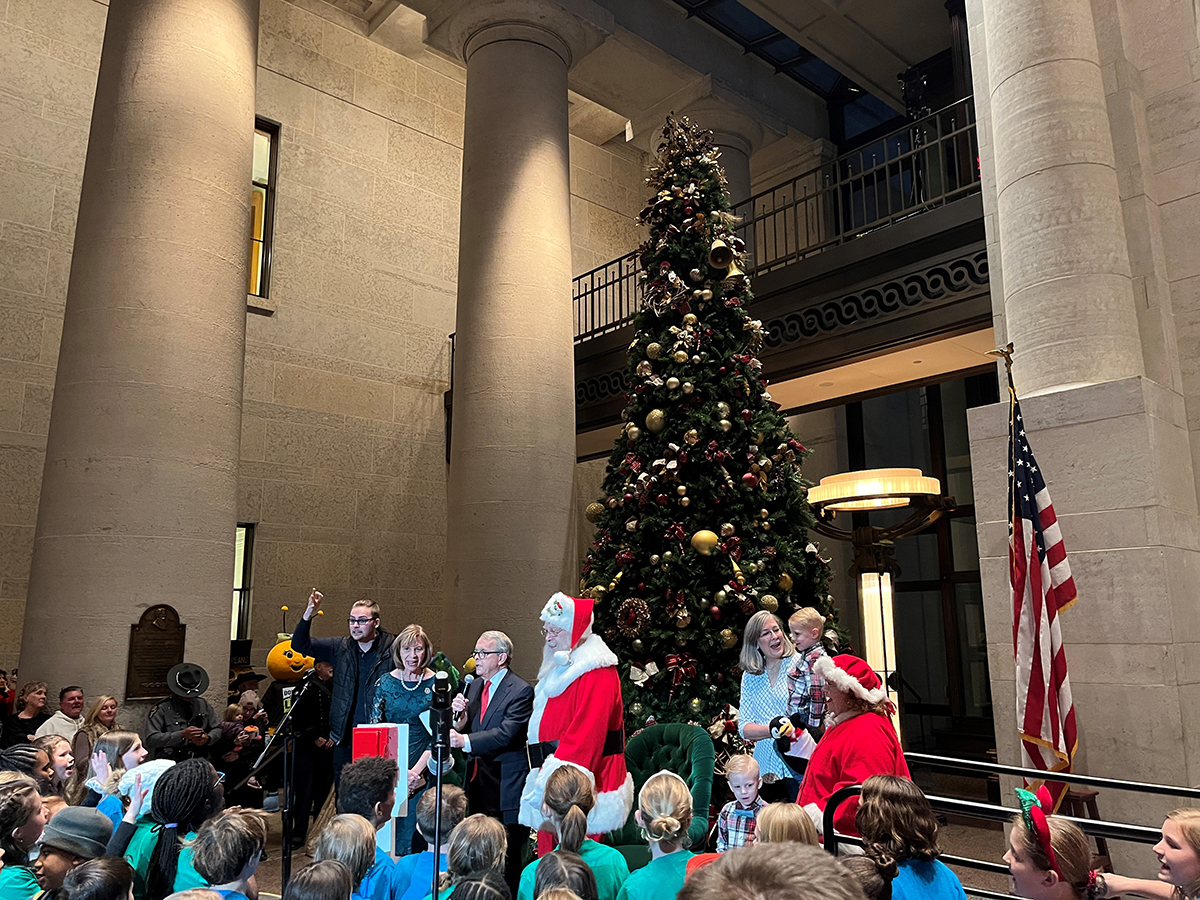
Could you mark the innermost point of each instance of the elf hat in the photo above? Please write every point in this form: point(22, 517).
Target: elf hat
point(573, 614)
point(851, 675)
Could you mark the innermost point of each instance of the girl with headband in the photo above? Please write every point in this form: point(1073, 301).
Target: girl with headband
point(1048, 857)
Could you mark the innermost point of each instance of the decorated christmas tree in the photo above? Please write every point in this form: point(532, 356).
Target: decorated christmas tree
point(704, 519)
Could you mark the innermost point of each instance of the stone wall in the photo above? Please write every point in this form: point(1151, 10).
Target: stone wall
point(607, 192)
point(49, 54)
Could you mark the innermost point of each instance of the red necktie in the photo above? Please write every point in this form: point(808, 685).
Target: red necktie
point(483, 703)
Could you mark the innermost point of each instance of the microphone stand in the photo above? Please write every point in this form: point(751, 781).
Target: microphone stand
point(440, 721)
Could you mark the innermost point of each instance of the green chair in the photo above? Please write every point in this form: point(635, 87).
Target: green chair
point(686, 750)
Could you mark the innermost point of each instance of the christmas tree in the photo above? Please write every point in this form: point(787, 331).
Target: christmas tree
point(704, 518)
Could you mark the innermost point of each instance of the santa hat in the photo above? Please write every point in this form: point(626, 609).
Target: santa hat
point(573, 614)
point(852, 676)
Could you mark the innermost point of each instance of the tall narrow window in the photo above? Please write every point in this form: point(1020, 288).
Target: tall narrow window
point(243, 559)
point(262, 201)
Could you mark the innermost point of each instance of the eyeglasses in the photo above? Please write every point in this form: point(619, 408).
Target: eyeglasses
point(361, 620)
point(220, 779)
point(551, 631)
point(480, 654)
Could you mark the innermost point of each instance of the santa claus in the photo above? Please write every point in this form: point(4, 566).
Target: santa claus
point(577, 720)
point(859, 741)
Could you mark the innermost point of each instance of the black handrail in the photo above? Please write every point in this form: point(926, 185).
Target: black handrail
point(928, 163)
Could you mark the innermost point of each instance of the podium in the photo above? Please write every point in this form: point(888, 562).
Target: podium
point(390, 742)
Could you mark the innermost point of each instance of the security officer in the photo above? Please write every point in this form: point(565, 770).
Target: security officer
point(184, 725)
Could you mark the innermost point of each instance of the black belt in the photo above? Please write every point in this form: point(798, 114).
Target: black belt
point(614, 744)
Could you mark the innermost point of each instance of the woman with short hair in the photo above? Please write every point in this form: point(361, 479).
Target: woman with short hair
point(403, 697)
point(31, 714)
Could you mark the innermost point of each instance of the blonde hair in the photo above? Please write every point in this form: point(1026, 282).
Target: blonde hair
point(569, 795)
point(47, 744)
point(779, 823)
point(226, 844)
point(349, 839)
point(92, 726)
point(752, 660)
point(1188, 821)
point(741, 764)
point(410, 636)
point(1070, 846)
point(477, 845)
point(665, 804)
point(232, 711)
point(807, 618)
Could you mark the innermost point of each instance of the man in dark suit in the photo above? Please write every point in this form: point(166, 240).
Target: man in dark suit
point(490, 726)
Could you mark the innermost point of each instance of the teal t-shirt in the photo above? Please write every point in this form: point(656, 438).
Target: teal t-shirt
point(659, 879)
point(141, 848)
point(18, 883)
point(606, 863)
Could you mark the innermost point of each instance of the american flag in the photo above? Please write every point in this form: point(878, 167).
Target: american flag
point(1042, 588)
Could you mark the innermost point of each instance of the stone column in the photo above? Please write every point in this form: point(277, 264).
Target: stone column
point(138, 502)
point(1068, 296)
point(512, 455)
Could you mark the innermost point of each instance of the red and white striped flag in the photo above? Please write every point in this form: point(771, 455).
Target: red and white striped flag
point(1042, 588)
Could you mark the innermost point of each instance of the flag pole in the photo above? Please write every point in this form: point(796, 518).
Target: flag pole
point(1007, 353)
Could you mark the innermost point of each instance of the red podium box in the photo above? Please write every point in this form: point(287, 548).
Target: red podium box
point(375, 740)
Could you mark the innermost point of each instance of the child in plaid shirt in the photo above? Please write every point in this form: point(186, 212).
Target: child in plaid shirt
point(738, 818)
point(806, 689)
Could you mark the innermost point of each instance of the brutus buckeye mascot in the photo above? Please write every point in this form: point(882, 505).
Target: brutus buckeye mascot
point(577, 719)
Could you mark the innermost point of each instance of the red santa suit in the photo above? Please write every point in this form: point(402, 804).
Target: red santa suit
point(578, 720)
point(859, 745)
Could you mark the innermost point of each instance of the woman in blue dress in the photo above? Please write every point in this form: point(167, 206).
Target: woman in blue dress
point(403, 697)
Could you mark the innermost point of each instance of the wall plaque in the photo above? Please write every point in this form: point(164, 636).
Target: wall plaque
point(155, 645)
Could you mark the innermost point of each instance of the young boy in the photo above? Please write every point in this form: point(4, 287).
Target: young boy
point(226, 852)
point(368, 789)
point(412, 878)
point(738, 818)
point(806, 689)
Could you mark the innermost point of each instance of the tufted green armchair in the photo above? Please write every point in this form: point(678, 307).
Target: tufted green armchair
point(686, 750)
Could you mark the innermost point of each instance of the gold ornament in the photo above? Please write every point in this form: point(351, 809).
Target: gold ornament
point(593, 512)
point(656, 420)
point(723, 409)
point(695, 705)
point(654, 558)
point(680, 356)
point(685, 501)
point(720, 255)
point(720, 597)
point(688, 387)
point(690, 318)
point(727, 529)
point(681, 490)
point(728, 638)
point(681, 641)
point(654, 351)
point(737, 573)
point(704, 542)
point(768, 602)
point(683, 619)
point(636, 710)
point(672, 383)
point(764, 513)
point(785, 582)
point(633, 432)
point(637, 646)
point(705, 295)
point(725, 424)
point(691, 436)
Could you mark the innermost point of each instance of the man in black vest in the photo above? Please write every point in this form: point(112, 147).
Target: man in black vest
point(490, 726)
point(357, 660)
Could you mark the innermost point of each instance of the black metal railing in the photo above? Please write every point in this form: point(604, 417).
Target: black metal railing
point(989, 812)
point(926, 164)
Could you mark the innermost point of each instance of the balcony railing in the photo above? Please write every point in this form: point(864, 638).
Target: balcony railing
point(926, 164)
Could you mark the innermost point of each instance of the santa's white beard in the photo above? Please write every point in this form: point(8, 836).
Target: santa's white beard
point(554, 659)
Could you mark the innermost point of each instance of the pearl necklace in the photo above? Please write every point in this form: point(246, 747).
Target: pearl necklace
point(404, 684)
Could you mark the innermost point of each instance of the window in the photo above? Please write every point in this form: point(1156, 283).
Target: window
point(243, 558)
point(262, 201)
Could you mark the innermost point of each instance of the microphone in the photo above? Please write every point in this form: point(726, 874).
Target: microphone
point(466, 683)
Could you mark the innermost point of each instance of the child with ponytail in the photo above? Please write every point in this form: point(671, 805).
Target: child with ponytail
point(568, 799)
point(664, 813)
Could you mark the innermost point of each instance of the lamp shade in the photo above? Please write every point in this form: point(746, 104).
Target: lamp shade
point(872, 489)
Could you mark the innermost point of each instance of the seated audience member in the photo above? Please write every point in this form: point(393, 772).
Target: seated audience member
point(477, 847)
point(73, 836)
point(565, 869)
point(186, 796)
point(62, 763)
point(105, 878)
point(328, 879)
point(116, 753)
point(568, 798)
point(28, 759)
point(349, 839)
point(737, 821)
point(22, 819)
point(779, 823)
point(767, 871)
point(859, 742)
point(1049, 858)
point(899, 829)
point(488, 886)
point(100, 718)
point(66, 720)
point(368, 789)
point(874, 879)
point(227, 850)
point(664, 813)
point(31, 714)
point(413, 875)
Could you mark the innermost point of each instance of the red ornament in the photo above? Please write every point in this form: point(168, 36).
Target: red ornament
point(628, 498)
point(749, 479)
point(722, 370)
point(730, 726)
point(663, 500)
point(687, 211)
point(715, 612)
point(746, 415)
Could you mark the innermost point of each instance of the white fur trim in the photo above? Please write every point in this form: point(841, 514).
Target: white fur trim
point(589, 655)
point(843, 680)
point(610, 812)
point(559, 611)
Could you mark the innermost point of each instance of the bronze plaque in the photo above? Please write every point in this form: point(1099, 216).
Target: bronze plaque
point(155, 645)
